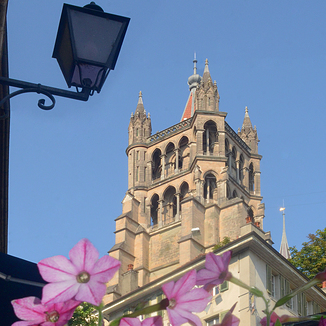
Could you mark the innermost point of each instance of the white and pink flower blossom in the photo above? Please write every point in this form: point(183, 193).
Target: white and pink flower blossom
point(82, 278)
point(32, 312)
point(215, 271)
point(184, 299)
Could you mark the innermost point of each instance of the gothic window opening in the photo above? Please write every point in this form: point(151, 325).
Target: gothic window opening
point(137, 173)
point(170, 161)
point(227, 151)
point(234, 158)
point(183, 145)
point(228, 192)
point(209, 137)
point(154, 209)
point(241, 166)
point(209, 186)
point(234, 194)
point(250, 217)
point(184, 189)
point(157, 165)
point(169, 205)
point(251, 177)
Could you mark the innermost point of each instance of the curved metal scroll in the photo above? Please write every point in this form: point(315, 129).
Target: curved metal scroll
point(38, 90)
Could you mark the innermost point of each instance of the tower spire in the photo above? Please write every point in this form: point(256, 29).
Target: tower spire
point(284, 249)
point(193, 82)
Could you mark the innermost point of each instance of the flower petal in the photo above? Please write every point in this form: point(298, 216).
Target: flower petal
point(195, 300)
point(168, 289)
point(207, 276)
point(105, 268)
point(60, 291)
point(57, 269)
point(191, 318)
point(129, 322)
point(184, 284)
point(91, 292)
point(84, 256)
point(152, 321)
point(175, 318)
point(29, 309)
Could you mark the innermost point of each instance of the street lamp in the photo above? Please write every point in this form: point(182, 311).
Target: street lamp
point(87, 47)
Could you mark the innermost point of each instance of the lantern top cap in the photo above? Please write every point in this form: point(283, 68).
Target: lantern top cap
point(92, 5)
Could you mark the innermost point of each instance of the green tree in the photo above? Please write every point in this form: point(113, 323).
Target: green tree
point(83, 316)
point(224, 242)
point(311, 259)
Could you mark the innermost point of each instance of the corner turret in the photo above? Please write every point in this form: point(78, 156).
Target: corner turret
point(140, 126)
point(207, 96)
point(249, 134)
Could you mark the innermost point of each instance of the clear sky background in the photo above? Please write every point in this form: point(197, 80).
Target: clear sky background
point(68, 167)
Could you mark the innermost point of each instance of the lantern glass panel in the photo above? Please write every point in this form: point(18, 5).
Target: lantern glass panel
point(94, 36)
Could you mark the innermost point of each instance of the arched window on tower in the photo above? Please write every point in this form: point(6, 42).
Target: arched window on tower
point(169, 205)
point(241, 165)
point(234, 194)
point(251, 177)
point(184, 189)
point(228, 192)
point(227, 150)
point(209, 186)
point(209, 137)
point(169, 161)
point(156, 164)
point(154, 209)
point(183, 145)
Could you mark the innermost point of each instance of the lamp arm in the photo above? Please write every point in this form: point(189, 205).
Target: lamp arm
point(48, 91)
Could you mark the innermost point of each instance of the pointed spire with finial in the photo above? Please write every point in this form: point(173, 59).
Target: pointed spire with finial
point(206, 76)
point(193, 82)
point(249, 134)
point(140, 106)
point(284, 249)
point(246, 125)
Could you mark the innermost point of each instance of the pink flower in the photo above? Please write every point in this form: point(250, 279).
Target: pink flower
point(32, 312)
point(183, 300)
point(229, 319)
point(322, 322)
point(274, 318)
point(82, 278)
point(152, 321)
point(215, 271)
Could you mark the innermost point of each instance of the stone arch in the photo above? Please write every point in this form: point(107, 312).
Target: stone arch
point(183, 152)
point(234, 194)
point(228, 191)
point(241, 167)
point(184, 189)
point(251, 177)
point(209, 185)
point(210, 137)
point(154, 209)
point(169, 159)
point(156, 164)
point(169, 209)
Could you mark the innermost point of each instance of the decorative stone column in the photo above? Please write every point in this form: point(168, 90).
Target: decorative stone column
point(160, 215)
point(177, 218)
point(237, 163)
point(163, 166)
point(199, 137)
point(177, 150)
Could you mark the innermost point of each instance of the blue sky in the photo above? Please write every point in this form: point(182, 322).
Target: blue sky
point(68, 167)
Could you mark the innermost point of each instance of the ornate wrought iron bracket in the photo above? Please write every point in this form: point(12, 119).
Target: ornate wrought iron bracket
point(50, 92)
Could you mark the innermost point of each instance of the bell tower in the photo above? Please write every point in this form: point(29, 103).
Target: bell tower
point(189, 186)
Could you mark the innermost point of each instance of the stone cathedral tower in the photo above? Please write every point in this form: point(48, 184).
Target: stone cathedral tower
point(189, 186)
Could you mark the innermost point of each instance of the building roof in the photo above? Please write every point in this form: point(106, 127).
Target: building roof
point(18, 279)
